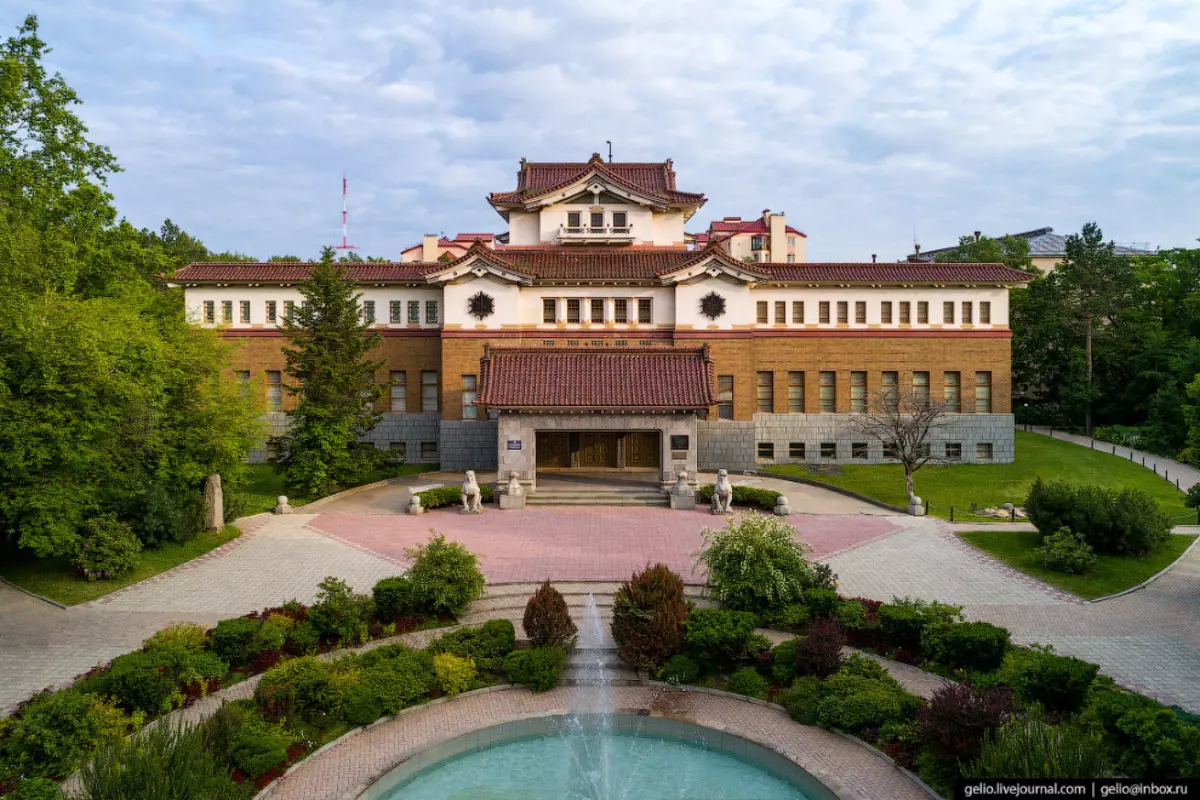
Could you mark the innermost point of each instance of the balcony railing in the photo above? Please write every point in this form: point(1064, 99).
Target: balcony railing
point(595, 233)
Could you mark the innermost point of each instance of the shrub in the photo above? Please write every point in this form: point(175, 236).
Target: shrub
point(756, 564)
point(281, 621)
point(747, 681)
point(855, 704)
point(802, 699)
point(161, 516)
point(1129, 523)
point(303, 640)
point(233, 639)
point(1193, 496)
point(36, 789)
point(339, 614)
point(487, 645)
point(970, 645)
point(1139, 525)
point(188, 635)
point(270, 636)
point(851, 615)
point(258, 745)
point(864, 667)
point(547, 621)
point(783, 661)
point(792, 617)
point(107, 548)
point(538, 668)
point(745, 497)
point(57, 731)
point(1057, 683)
point(454, 674)
point(452, 495)
point(821, 602)
point(1029, 748)
point(903, 621)
point(820, 652)
point(1066, 551)
point(142, 681)
point(1148, 741)
point(393, 598)
point(445, 577)
point(160, 763)
point(648, 615)
point(298, 687)
point(399, 680)
point(717, 638)
point(680, 669)
point(956, 718)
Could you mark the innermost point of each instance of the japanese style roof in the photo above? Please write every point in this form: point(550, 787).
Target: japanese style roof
point(543, 379)
point(653, 179)
point(1043, 243)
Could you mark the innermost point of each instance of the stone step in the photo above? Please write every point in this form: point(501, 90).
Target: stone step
point(573, 588)
point(583, 500)
point(613, 677)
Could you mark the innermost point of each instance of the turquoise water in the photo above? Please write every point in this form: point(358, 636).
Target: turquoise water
point(567, 767)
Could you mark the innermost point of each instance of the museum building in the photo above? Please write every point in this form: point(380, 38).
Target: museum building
point(591, 336)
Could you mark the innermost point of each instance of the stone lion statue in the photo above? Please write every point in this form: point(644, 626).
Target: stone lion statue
point(681, 486)
point(722, 496)
point(472, 498)
point(514, 484)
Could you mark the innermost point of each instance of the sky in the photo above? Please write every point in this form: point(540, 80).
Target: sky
point(868, 122)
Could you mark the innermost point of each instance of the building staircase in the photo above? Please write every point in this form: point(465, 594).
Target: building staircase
point(641, 494)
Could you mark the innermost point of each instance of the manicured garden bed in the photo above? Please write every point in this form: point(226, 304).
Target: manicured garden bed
point(1111, 574)
point(992, 485)
point(264, 484)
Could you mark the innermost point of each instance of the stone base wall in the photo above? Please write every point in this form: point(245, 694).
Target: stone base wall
point(468, 444)
point(725, 444)
point(411, 430)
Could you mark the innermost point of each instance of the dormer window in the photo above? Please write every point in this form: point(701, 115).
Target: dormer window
point(597, 219)
point(573, 220)
point(620, 219)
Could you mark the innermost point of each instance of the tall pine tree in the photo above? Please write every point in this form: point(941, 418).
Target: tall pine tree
point(334, 380)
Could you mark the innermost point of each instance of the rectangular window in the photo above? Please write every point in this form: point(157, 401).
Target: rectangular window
point(243, 381)
point(274, 390)
point(890, 450)
point(791, 258)
point(469, 408)
point(828, 449)
point(597, 218)
point(766, 450)
point(859, 450)
point(843, 309)
point(597, 311)
point(823, 312)
point(796, 450)
point(828, 391)
point(985, 312)
point(289, 310)
point(414, 312)
point(891, 390)
point(905, 312)
point(620, 219)
point(304, 305)
point(948, 313)
point(270, 311)
point(968, 312)
point(858, 391)
point(396, 311)
point(645, 311)
point(429, 451)
point(397, 450)
point(798, 312)
point(431, 312)
point(780, 312)
point(924, 450)
point(368, 310)
point(791, 241)
point(921, 389)
point(244, 309)
point(724, 397)
point(952, 391)
point(621, 310)
point(860, 312)
point(766, 391)
point(573, 219)
point(983, 392)
point(226, 311)
point(399, 390)
point(429, 391)
point(922, 312)
point(885, 312)
point(209, 313)
point(573, 304)
point(796, 392)
point(549, 310)
point(983, 451)
point(954, 451)
point(761, 315)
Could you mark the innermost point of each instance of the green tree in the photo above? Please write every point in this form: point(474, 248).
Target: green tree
point(328, 358)
point(1012, 251)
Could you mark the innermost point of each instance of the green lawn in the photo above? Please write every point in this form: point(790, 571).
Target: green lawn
point(56, 579)
point(992, 485)
point(263, 484)
point(1111, 574)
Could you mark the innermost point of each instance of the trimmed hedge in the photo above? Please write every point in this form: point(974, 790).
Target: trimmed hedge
point(452, 496)
point(970, 645)
point(538, 668)
point(746, 497)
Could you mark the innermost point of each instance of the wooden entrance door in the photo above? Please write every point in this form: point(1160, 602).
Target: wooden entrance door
point(554, 450)
point(641, 449)
point(597, 450)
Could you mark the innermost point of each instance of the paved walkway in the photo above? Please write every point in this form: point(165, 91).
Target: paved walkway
point(1186, 476)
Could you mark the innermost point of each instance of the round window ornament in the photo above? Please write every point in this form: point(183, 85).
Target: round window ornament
point(712, 305)
point(481, 306)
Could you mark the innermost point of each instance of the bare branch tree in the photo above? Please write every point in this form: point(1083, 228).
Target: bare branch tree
point(902, 422)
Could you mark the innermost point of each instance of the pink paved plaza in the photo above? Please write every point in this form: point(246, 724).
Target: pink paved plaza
point(580, 543)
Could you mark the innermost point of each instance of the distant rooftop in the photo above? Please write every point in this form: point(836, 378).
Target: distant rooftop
point(1044, 243)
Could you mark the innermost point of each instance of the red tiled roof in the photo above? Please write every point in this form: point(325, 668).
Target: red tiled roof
point(296, 271)
point(893, 273)
point(542, 378)
point(655, 179)
point(560, 262)
point(471, 237)
point(747, 226)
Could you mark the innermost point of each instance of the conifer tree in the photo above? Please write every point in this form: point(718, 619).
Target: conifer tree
point(333, 378)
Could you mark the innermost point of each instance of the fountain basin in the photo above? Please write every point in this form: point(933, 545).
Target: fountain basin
point(598, 757)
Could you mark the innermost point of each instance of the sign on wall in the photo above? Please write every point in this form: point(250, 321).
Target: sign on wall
point(515, 444)
point(679, 442)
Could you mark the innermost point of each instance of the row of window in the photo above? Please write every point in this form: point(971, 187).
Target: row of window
point(861, 450)
point(592, 308)
point(396, 311)
point(398, 391)
point(620, 219)
point(887, 309)
point(827, 391)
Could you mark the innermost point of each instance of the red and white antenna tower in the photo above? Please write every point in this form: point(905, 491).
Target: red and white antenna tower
point(345, 245)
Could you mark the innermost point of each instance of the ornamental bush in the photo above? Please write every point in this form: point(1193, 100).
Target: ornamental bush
point(258, 745)
point(783, 661)
point(57, 731)
point(717, 638)
point(107, 548)
point(747, 681)
point(855, 704)
point(36, 789)
point(452, 495)
point(393, 683)
point(1030, 748)
point(1147, 740)
point(792, 617)
point(648, 616)
point(393, 598)
point(453, 674)
point(299, 687)
point(820, 652)
point(821, 602)
point(802, 699)
point(746, 497)
point(487, 645)
point(956, 718)
point(756, 564)
point(971, 645)
point(339, 614)
point(233, 639)
point(188, 635)
point(902, 622)
point(864, 667)
point(547, 620)
point(141, 681)
point(161, 516)
point(1128, 523)
point(1057, 683)
point(303, 639)
point(445, 577)
point(680, 669)
point(1066, 551)
point(538, 668)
